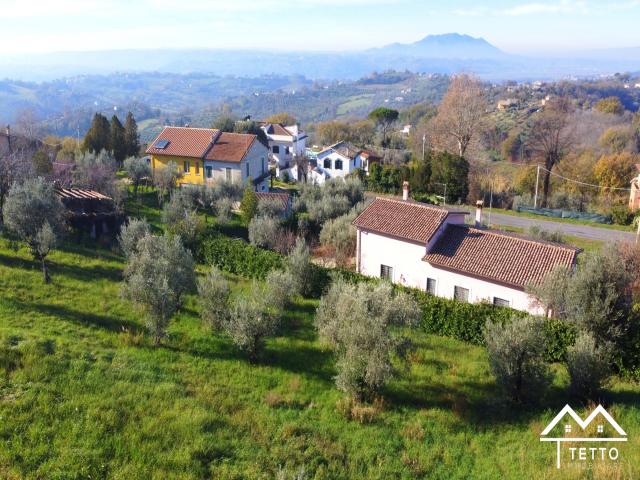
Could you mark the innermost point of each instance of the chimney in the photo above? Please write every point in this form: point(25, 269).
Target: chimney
point(405, 190)
point(479, 205)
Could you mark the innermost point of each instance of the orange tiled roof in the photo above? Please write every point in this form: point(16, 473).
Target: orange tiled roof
point(183, 142)
point(283, 198)
point(498, 256)
point(413, 221)
point(230, 147)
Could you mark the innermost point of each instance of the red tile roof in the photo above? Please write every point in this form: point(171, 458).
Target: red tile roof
point(498, 256)
point(277, 129)
point(413, 221)
point(230, 147)
point(184, 142)
point(79, 193)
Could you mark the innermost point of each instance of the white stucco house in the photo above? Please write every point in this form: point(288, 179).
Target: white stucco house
point(341, 159)
point(286, 143)
point(431, 248)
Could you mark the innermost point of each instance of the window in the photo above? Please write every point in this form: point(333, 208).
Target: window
point(431, 286)
point(247, 168)
point(338, 165)
point(197, 168)
point(386, 272)
point(187, 167)
point(227, 174)
point(208, 172)
point(286, 150)
point(262, 162)
point(276, 149)
point(461, 294)
point(500, 302)
point(327, 163)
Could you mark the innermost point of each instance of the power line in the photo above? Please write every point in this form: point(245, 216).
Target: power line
point(583, 183)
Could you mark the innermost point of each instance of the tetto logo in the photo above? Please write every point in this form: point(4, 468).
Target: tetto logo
point(575, 430)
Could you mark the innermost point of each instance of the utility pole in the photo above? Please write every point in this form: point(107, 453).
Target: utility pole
point(490, 202)
point(445, 195)
point(78, 135)
point(424, 139)
point(535, 198)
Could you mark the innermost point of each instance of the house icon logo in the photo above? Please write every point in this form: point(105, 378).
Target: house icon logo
point(573, 429)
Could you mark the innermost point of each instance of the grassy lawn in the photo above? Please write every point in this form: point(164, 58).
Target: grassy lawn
point(623, 228)
point(83, 394)
point(585, 244)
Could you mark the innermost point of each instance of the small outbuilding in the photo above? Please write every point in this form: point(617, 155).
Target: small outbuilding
point(90, 211)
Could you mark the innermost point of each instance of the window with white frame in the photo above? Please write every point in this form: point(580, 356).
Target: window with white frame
point(386, 272)
point(186, 167)
point(431, 286)
point(461, 294)
point(208, 171)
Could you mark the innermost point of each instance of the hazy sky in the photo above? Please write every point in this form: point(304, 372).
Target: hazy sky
point(514, 26)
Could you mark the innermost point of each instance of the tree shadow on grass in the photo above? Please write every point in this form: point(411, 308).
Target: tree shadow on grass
point(78, 272)
point(106, 322)
point(295, 324)
point(301, 359)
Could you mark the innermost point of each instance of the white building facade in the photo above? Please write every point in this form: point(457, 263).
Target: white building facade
point(431, 249)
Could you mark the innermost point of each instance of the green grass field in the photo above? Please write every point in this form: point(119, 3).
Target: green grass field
point(83, 394)
point(575, 221)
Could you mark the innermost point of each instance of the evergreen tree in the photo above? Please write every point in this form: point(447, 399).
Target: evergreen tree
point(131, 137)
point(249, 203)
point(117, 141)
point(98, 136)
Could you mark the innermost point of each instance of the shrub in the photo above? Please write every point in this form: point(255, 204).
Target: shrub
point(166, 179)
point(137, 169)
point(250, 321)
point(516, 355)
point(238, 257)
point(130, 235)
point(264, 232)
point(621, 215)
point(249, 204)
point(588, 366)
point(360, 322)
point(181, 219)
point(213, 294)
point(535, 231)
point(340, 235)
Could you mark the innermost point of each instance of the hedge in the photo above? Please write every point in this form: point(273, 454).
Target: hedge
point(440, 316)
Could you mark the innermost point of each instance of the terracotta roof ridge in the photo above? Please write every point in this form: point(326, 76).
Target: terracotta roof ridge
point(502, 233)
point(191, 128)
point(417, 204)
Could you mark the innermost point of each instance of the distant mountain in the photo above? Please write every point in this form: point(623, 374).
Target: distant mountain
point(449, 45)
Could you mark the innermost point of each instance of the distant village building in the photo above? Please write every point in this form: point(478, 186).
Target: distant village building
point(286, 144)
point(431, 248)
point(341, 159)
point(507, 104)
point(205, 155)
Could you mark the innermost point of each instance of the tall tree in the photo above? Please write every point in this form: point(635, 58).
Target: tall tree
point(384, 119)
point(460, 115)
point(450, 170)
point(98, 136)
point(551, 136)
point(131, 137)
point(117, 140)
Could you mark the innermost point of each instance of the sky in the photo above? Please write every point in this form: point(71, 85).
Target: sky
point(524, 27)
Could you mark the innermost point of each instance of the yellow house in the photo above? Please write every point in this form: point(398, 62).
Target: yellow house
point(204, 155)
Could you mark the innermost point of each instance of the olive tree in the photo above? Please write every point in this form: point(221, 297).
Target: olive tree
point(34, 213)
point(251, 319)
point(281, 287)
point(588, 366)
point(213, 293)
point(362, 323)
point(130, 235)
point(181, 218)
point(264, 231)
point(137, 170)
point(299, 264)
point(516, 356)
point(156, 276)
point(166, 179)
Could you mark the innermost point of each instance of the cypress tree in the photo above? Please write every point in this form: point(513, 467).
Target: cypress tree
point(131, 137)
point(118, 145)
point(98, 136)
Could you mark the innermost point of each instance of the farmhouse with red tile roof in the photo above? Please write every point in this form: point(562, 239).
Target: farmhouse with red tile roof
point(431, 248)
point(204, 155)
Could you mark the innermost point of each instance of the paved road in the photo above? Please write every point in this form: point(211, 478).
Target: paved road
point(584, 231)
